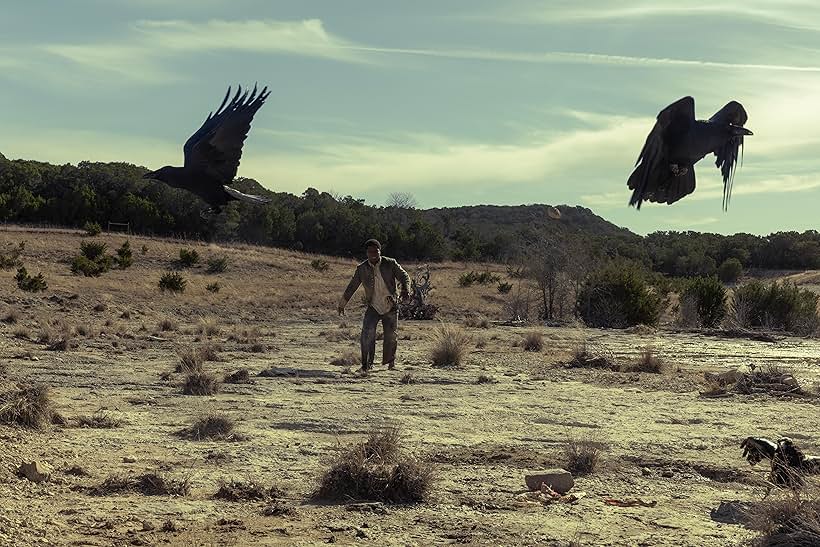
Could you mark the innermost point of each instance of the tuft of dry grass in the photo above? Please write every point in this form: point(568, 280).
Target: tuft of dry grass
point(212, 427)
point(792, 519)
point(82, 329)
point(247, 490)
point(256, 347)
point(242, 376)
point(149, 484)
point(451, 345)
point(349, 359)
point(12, 316)
point(77, 471)
point(477, 322)
point(582, 457)
point(190, 360)
point(167, 324)
point(200, 382)
point(376, 470)
point(647, 362)
point(408, 378)
point(209, 352)
point(209, 326)
point(485, 379)
point(591, 355)
point(99, 420)
point(27, 406)
point(22, 332)
point(533, 341)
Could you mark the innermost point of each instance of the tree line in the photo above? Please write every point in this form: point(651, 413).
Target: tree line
point(320, 222)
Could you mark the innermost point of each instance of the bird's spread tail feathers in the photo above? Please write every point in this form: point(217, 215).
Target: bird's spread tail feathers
point(248, 198)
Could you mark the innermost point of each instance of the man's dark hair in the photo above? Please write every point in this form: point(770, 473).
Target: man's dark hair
point(372, 243)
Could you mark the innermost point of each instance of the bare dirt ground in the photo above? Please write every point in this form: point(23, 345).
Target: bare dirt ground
point(661, 441)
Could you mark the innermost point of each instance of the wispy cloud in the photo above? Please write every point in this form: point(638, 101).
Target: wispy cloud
point(798, 14)
point(142, 54)
point(568, 57)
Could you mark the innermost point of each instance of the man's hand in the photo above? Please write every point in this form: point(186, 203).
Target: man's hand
point(341, 307)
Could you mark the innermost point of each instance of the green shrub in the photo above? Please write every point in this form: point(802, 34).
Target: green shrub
point(618, 295)
point(92, 260)
point(92, 250)
point(217, 265)
point(778, 306)
point(709, 296)
point(92, 228)
point(188, 258)
point(504, 287)
point(125, 257)
point(730, 271)
point(483, 278)
point(29, 283)
point(172, 282)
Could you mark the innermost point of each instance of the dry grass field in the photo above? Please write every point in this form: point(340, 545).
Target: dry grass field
point(137, 461)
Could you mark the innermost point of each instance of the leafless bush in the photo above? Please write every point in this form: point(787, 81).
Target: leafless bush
point(533, 341)
point(376, 470)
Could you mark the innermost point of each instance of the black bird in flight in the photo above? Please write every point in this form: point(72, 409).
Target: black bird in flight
point(212, 153)
point(665, 170)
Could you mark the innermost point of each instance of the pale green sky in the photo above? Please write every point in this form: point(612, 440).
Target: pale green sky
point(460, 102)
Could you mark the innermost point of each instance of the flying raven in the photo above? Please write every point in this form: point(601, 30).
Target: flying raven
point(665, 170)
point(212, 153)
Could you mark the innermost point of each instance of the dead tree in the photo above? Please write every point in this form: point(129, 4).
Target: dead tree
point(418, 307)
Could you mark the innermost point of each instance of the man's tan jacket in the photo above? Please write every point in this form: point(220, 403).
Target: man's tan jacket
point(391, 273)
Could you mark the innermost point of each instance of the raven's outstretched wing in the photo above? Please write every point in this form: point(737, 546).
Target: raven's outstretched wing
point(726, 156)
point(216, 147)
point(651, 173)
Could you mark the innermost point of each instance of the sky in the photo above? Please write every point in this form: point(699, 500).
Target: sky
point(459, 102)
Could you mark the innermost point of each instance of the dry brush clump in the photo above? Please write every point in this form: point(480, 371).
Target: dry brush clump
point(27, 406)
point(770, 379)
point(250, 489)
point(582, 457)
point(11, 317)
point(451, 346)
point(647, 362)
point(153, 483)
point(533, 341)
point(241, 376)
point(790, 519)
point(376, 470)
point(99, 420)
point(216, 427)
point(349, 359)
point(209, 326)
point(200, 382)
point(592, 355)
point(477, 322)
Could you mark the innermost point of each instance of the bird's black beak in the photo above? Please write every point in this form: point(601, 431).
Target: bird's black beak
point(739, 131)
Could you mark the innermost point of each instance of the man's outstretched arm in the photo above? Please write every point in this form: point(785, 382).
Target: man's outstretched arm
point(355, 281)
